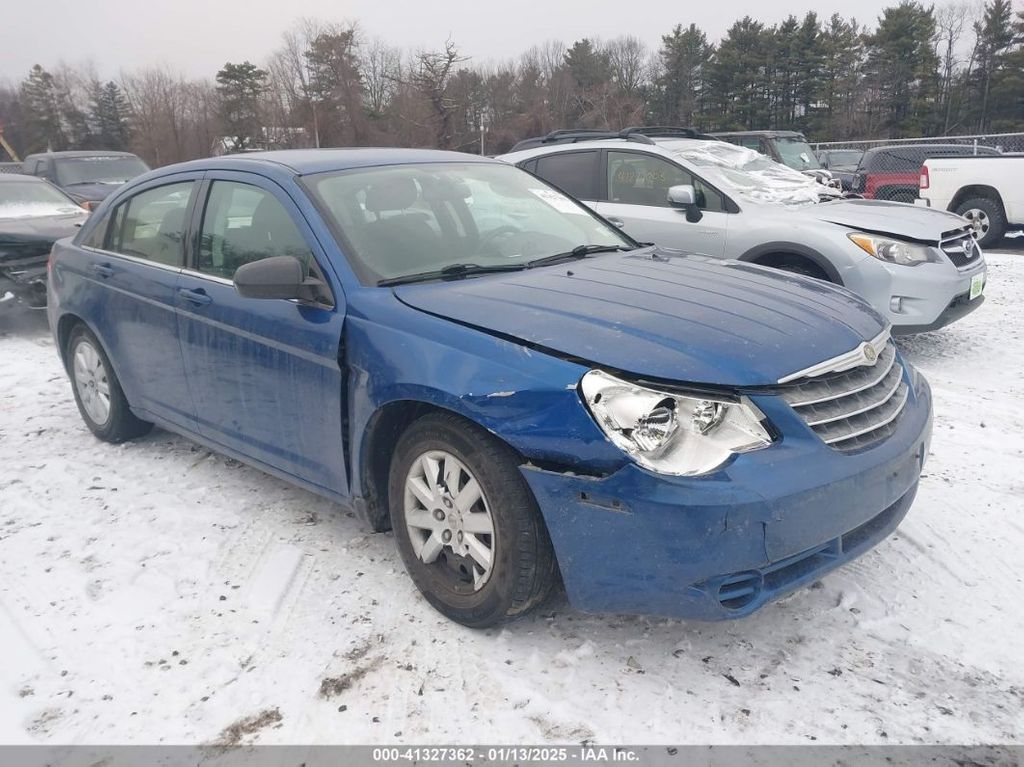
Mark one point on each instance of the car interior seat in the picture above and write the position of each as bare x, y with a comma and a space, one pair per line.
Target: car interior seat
403, 241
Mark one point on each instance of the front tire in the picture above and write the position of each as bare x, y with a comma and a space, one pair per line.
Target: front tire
987, 217
98, 394
466, 524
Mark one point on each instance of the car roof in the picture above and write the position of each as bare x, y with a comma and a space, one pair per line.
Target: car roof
78, 153
657, 145
308, 161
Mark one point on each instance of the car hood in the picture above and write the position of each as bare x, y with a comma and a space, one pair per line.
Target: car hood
894, 218
19, 235
668, 316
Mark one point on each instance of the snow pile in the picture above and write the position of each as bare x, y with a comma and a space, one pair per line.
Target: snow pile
750, 174
35, 210
154, 592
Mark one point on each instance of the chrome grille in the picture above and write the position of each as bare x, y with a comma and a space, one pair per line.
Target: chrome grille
854, 408
960, 247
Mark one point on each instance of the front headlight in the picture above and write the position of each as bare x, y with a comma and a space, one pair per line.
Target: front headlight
894, 251
671, 433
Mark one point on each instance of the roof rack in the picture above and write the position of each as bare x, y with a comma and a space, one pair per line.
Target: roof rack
639, 134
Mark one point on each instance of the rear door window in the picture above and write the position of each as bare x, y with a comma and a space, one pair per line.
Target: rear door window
152, 224
635, 178
574, 173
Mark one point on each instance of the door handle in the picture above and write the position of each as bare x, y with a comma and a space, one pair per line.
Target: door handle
102, 270
197, 297
615, 221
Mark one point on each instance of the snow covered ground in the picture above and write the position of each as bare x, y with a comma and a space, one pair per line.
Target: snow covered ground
153, 592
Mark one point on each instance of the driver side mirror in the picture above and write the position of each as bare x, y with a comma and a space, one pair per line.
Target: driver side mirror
277, 277
685, 196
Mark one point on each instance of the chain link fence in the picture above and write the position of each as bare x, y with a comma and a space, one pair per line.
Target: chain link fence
889, 169
10, 167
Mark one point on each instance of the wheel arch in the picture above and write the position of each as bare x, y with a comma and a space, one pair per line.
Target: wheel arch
66, 324
977, 190
373, 456
764, 253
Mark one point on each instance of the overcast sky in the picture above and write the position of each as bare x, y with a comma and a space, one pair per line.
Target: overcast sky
198, 36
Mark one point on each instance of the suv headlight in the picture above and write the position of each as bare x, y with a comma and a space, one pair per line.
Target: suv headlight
894, 251
670, 433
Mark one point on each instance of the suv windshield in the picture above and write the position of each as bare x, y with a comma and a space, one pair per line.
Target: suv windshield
796, 153
464, 218
750, 174
31, 199
98, 170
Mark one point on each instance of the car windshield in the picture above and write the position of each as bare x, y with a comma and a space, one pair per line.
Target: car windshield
32, 199
843, 158
464, 218
98, 170
796, 153
749, 174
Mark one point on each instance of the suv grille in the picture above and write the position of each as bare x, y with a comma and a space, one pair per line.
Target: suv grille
853, 409
960, 247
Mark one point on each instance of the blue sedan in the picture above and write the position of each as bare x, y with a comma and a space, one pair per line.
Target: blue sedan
462, 353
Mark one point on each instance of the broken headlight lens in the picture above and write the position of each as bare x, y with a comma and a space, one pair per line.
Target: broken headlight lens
671, 433
894, 251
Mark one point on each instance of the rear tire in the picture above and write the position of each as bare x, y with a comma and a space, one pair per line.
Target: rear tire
445, 525
987, 217
97, 391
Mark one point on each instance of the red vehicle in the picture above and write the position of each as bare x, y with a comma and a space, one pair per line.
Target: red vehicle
893, 172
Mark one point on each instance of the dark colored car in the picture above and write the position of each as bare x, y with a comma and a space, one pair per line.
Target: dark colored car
87, 176
458, 351
894, 172
842, 164
33, 215
787, 147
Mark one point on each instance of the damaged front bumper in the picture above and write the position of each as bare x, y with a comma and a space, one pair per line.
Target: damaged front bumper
723, 545
23, 283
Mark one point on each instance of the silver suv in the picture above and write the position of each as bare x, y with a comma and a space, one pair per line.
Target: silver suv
678, 188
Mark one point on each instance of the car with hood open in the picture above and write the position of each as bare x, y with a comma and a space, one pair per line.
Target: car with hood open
87, 176
678, 188
458, 351
33, 215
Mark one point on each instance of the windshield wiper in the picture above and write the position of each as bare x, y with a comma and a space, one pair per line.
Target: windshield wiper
452, 271
580, 251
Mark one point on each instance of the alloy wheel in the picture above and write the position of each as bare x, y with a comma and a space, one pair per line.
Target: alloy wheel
448, 519
92, 382
979, 222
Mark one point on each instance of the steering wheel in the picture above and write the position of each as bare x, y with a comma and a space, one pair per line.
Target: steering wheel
488, 239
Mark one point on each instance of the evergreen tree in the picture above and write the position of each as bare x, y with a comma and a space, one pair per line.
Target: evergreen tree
109, 114
240, 88
335, 87
740, 77
836, 90
903, 70
41, 123
995, 34
683, 62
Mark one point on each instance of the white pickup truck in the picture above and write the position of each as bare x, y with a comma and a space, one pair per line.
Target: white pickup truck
986, 190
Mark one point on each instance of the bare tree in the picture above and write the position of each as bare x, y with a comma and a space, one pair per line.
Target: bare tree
628, 57
950, 21
432, 77
381, 66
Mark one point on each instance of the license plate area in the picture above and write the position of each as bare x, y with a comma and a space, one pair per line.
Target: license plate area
977, 286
